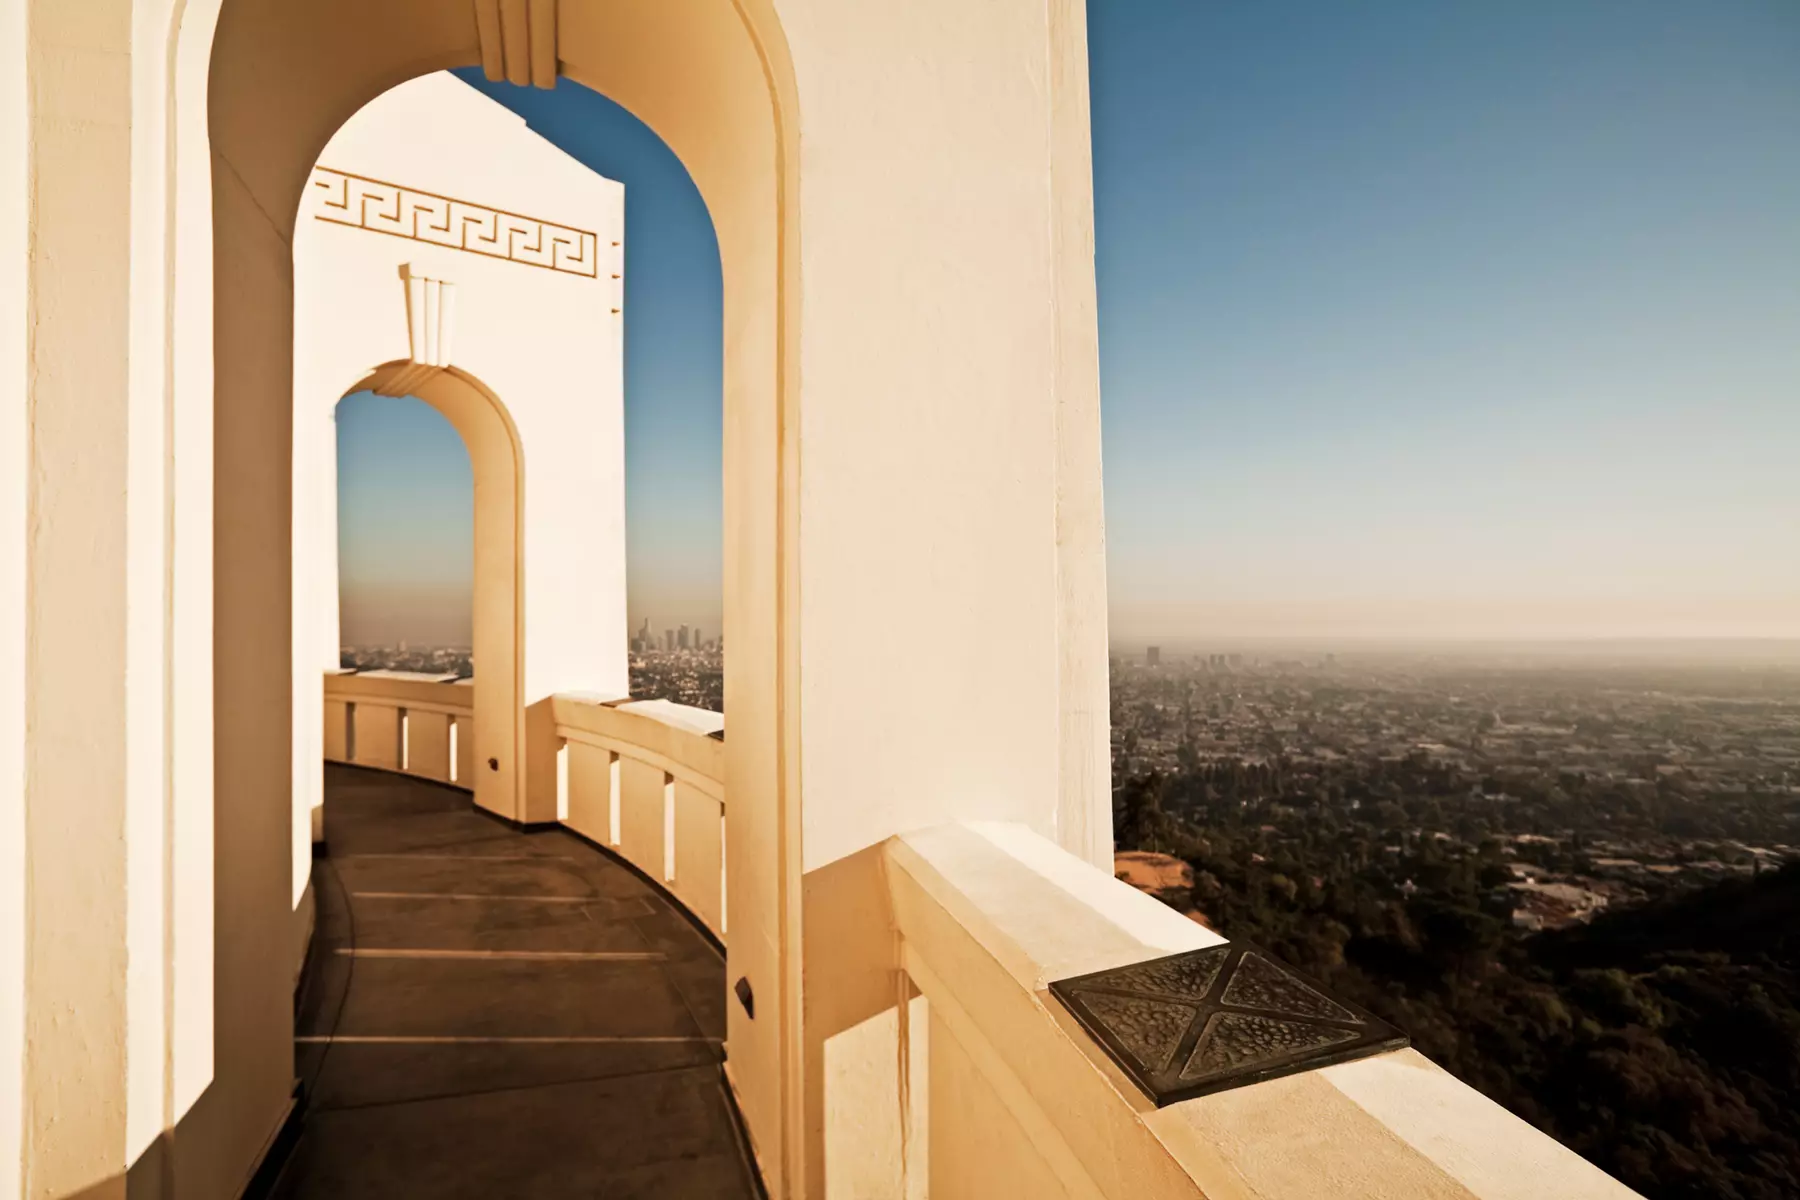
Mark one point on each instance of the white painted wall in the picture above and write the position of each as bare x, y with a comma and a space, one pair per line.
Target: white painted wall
949, 432
548, 343
15, 507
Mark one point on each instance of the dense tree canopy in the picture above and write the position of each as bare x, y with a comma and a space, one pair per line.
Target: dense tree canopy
1662, 1042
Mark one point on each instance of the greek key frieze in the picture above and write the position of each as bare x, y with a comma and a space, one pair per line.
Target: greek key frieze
399, 211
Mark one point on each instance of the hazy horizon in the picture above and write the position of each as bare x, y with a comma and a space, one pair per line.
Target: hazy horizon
1419, 320
1728, 651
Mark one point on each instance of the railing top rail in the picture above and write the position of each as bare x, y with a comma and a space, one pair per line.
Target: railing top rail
675, 733
402, 689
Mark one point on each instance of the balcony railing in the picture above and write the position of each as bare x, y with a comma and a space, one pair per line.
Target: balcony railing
647, 781
644, 779
417, 724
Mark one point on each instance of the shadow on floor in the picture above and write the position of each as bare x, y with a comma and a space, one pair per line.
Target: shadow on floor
490, 1013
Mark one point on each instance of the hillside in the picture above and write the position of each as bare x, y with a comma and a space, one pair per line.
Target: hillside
1661, 1042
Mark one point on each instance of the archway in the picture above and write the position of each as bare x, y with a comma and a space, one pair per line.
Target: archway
711, 79
404, 523
498, 583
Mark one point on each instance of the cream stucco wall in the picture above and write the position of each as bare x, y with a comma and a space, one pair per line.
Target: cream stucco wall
547, 342
949, 483
15, 458
115, 965
936, 542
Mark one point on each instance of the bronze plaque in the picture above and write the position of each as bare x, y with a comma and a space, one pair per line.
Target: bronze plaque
1207, 1020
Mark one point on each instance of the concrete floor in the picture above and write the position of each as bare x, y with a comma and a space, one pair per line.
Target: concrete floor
491, 1013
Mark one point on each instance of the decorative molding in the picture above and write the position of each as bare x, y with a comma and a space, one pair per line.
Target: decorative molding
430, 317
518, 41
430, 330
400, 211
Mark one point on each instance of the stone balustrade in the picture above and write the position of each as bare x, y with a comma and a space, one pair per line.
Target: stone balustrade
401, 721
644, 779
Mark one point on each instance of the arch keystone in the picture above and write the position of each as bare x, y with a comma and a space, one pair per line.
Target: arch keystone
518, 41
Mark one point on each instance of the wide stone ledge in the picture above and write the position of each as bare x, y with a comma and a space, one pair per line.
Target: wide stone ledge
991, 913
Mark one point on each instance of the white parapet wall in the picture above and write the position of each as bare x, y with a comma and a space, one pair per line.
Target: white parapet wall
1018, 1098
437, 229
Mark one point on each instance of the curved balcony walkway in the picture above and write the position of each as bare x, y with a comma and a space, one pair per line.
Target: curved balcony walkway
495, 1013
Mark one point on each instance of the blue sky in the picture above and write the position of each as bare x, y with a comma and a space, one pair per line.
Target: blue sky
1417, 317
1445, 318
406, 533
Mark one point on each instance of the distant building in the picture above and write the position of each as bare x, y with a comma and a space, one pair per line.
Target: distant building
1153, 656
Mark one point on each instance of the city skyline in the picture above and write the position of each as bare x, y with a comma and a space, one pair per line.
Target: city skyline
1418, 322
